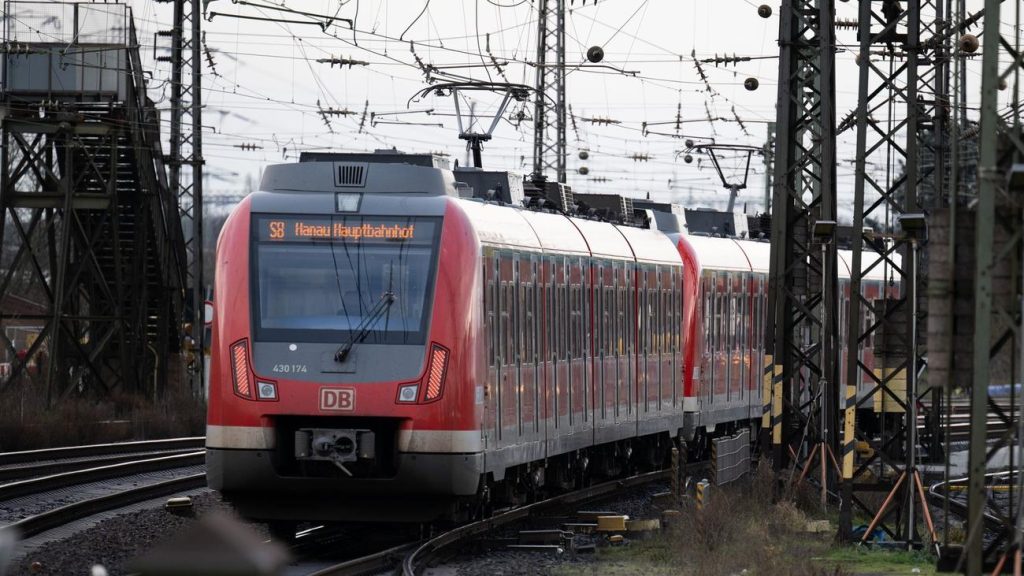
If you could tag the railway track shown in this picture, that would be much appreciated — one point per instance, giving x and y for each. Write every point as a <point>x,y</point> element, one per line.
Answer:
<point>1001,484</point>
<point>959,423</point>
<point>101,478</point>
<point>413,557</point>
<point>49,461</point>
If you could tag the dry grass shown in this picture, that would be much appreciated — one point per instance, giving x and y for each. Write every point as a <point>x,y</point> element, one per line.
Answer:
<point>26,423</point>
<point>741,531</point>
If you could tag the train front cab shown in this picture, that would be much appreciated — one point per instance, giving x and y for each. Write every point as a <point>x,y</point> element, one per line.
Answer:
<point>294,431</point>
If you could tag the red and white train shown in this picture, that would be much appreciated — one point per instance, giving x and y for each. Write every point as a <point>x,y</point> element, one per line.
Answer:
<point>385,347</point>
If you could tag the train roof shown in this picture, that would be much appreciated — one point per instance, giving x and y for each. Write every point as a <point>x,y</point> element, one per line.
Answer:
<point>758,253</point>
<point>720,253</point>
<point>651,245</point>
<point>497,224</point>
<point>390,174</point>
<point>603,240</point>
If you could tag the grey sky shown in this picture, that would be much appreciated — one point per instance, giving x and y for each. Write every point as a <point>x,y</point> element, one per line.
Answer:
<point>266,84</point>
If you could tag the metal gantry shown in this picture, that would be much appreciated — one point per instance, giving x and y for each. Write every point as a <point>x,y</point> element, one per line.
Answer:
<point>185,162</point>
<point>999,254</point>
<point>549,105</point>
<point>90,272</point>
<point>801,376</point>
<point>901,98</point>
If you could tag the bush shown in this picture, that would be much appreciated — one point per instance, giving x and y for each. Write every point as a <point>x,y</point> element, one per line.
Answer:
<point>26,423</point>
<point>741,531</point>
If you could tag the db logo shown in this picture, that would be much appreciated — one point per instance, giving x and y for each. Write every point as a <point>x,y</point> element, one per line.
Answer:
<point>338,399</point>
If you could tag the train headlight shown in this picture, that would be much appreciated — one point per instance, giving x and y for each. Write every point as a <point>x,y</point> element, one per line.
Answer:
<point>407,393</point>
<point>266,390</point>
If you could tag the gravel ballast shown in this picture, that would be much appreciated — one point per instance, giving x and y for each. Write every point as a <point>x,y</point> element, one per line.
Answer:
<point>114,541</point>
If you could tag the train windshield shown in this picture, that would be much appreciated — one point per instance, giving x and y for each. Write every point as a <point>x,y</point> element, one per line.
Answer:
<point>319,279</point>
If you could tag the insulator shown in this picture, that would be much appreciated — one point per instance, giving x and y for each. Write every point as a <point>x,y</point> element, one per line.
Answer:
<point>751,83</point>
<point>583,170</point>
<point>847,24</point>
<point>969,43</point>
<point>689,143</point>
<point>584,154</point>
<point>688,158</point>
<point>1002,84</point>
<point>764,11</point>
<point>595,54</point>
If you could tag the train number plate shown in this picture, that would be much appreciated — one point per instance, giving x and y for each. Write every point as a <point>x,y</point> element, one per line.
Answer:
<point>337,399</point>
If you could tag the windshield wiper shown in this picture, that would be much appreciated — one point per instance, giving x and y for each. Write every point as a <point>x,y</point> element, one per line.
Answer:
<point>366,325</point>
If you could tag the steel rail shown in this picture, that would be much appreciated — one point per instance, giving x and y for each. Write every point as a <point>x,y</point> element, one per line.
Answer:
<point>939,497</point>
<point>371,564</point>
<point>18,472</point>
<point>21,457</point>
<point>55,481</point>
<point>429,550</point>
<point>50,519</point>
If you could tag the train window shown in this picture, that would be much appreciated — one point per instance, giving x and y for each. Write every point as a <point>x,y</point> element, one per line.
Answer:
<point>642,316</point>
<point>527,300</point>
<point>578,337</point>
<point>312,288</point>
<point>620,304</point>
<point>502,323</point>
<point>549,306</point>
<point>609,307</point>
<point>489,309</point>
<point>603,316</point>
<point>573,316</point>
<point>556,311</point>
<point>706,310</point>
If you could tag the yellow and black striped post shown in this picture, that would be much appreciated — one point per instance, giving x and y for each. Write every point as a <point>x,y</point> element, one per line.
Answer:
<point>849,436</point>
<point>777,406</point>
<point>702,486</point>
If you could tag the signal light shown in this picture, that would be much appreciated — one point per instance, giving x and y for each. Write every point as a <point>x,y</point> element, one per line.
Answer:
<point>240,369</point>
<point>436,372</point>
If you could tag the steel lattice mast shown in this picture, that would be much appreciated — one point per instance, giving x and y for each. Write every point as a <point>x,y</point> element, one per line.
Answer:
<point>999,254</point>
<point>800,381</point>
<point>549,104</point>
<point>901,103</point>
<point>186,162</point>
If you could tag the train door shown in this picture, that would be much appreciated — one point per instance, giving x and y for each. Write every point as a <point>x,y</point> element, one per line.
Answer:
<point>618,334</point>
<point>754,346</point>
<point>738,383</point>
<point>626,311</point>
<point>652,383</point>
<point>722,372</point>
<point>508,381</point>
<point>493,335</point>
<point>526,307</point>
<point>549,397</point>
<point>643,338</point>
<point>673,336</point>
<point>577,355</point>
<point>709,313</point>
<point>560,329</point>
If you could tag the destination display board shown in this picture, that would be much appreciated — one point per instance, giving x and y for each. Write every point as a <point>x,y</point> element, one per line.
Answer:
<point>345,229</point>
